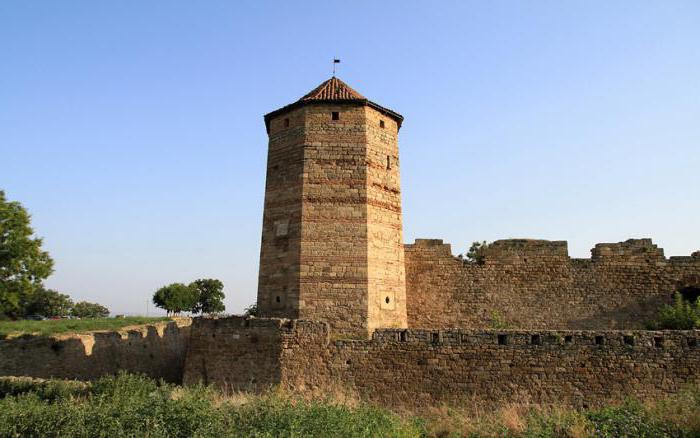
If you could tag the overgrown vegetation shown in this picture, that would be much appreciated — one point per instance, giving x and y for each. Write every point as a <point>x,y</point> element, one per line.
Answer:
<point>128,405</point>
<point>681,315</point>
<point>57,326</point>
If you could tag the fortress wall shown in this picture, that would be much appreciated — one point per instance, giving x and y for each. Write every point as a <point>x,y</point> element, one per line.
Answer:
<point>157,350</point>
<point>534,284</point>
<point>235,353</point>
<point>413,368</point>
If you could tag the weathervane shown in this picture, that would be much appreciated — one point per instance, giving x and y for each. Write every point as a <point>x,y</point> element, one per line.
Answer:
<point>335,61</point>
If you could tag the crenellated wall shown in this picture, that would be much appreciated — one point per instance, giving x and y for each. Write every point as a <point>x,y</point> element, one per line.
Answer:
<point>157,350</point>
<point>534,284</point>
<point>409,368</point>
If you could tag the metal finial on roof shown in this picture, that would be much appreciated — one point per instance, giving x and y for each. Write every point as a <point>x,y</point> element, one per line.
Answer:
<point>335,61</point>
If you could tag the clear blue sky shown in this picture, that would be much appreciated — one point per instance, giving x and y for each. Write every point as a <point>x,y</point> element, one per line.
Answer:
<point>133,130</point>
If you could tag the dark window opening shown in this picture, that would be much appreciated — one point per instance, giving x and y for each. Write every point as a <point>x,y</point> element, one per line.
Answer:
<point>387,300</point>
<point>536,340</point>
<point>692,342</point>
<point>348,362</point>
<point>403,336</point>
<point>436,338</point>
<point>502,339</point>
<point>599,340</point>
<point>628,340</point>
<point>524,260</point>
<point>568,339</point>
<point>286,123</point>
<point>690,294</point>
<point>381,123</point>
<point>388,162</point>
<point>278,299</point>
<point>658,342</point>
<point>335,115</point>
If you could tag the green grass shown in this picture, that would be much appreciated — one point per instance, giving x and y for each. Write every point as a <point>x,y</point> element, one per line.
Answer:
<point>130,405</point>
<point>57,326</point>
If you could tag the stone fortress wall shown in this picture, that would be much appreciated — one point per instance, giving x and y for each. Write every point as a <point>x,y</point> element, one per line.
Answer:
<point>157,350</point>
<point>418,367</point>
<point>534,284</point>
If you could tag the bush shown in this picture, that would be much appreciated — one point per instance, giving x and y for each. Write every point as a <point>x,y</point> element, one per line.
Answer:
<point>681,315</point>
<point>83,309</point>
<point>130,405</point>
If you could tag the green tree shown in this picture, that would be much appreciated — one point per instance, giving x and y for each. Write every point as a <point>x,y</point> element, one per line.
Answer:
<point>23,264</point>
<point>176,298</point>
<point>251,310</point>
<point>49,303</point>
<point>84,309</point>
<point>211,295</point>
<point>476,253</point>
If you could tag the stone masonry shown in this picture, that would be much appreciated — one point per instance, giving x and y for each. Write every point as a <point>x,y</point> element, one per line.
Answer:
<point>534,284</point>
<point>332,245</point>
<point>414,368</point>
<point>345,305</point>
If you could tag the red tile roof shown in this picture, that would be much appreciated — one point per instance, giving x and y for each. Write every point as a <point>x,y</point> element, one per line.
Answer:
<point>333,89</point>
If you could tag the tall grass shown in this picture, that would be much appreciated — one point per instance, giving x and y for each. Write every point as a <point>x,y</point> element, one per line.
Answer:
<point>58,326</point>
<point>128,405</point>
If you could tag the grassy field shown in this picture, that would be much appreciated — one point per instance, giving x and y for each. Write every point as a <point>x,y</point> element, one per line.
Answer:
<point>57,326</point>
<point>129,405</point>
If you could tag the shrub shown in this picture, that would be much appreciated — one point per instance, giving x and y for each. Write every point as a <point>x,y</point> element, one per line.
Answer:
<point>681,315</point>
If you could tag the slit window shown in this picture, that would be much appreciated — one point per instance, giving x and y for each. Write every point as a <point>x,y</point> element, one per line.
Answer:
<point>403,336</point>
<point>335,115</point>
<point>388,162</point>
<point>286,123</point>
<point>436,338</point>
<point>381,123</point>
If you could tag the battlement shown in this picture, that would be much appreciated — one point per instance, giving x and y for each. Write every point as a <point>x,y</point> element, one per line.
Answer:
<point>631,250</point>
<point>517,251</point>
<point>419,367</point>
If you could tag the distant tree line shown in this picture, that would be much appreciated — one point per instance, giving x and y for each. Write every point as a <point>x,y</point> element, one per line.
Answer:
<point>24,265</point>
<point>200,296</point>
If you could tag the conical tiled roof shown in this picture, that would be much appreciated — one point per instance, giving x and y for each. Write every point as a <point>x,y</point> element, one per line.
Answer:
<point>333,89</point>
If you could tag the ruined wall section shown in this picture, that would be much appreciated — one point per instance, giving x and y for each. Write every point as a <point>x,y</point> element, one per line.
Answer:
<point>412,368</point>
<point>157,350</point>
<point>386,270</point>
<point>278,278</point>
<point>534,284</point>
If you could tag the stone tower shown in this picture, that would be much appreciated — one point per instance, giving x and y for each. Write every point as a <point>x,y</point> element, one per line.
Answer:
<point>332,245</point>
